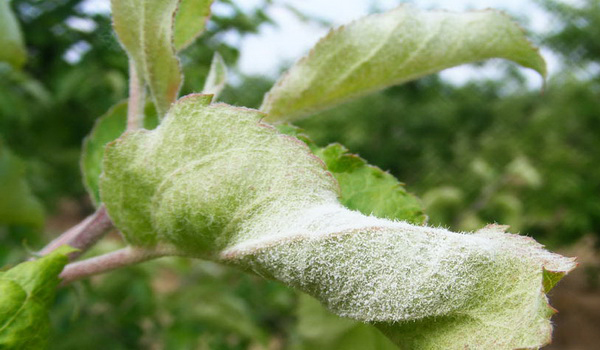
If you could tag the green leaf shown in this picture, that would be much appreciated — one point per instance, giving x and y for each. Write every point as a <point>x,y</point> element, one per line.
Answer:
<point>11,39</point>
<point>320,329</point>
<point>145,29</point>
<point>107,129</point>
<point>190,20</point>
<point>26,293</point>
<point>386,49</point>
<point>214,182</point>
<point>364,187</point>
<point>17,204</point>
<point>217,77</point>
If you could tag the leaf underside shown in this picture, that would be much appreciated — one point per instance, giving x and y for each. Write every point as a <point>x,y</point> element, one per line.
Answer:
<point>213,182</point>
<point>386,49</point>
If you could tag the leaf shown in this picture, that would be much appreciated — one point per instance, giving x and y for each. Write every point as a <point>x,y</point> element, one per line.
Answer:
<point>11,39</point>
<point>190,20</point>
<point>18,206</point>
<point>320,329</point>
<point>213,182</point>
<point>217,77</point>
<point>145,29</point>
<point>106,129</point>
<point>386,49</point>
<point>364,187</point>
<point>26,293</point>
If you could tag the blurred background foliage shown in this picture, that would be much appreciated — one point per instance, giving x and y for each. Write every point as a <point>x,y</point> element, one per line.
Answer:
<point>486,151</point>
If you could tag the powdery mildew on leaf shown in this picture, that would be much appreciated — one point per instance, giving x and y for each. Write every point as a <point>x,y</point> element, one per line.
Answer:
<point>386,49</point>
<point>216,183</point>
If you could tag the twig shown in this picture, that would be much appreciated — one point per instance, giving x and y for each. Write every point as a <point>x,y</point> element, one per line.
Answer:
<point>83,235</point>
<point>108,262</point>
<point>135,105</point>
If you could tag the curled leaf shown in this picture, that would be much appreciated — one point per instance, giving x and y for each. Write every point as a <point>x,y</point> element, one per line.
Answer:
<point>391,48</point>
<point>214,182</point>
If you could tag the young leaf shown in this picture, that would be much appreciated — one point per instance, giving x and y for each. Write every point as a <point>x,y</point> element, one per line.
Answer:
<point>17,204</point>
<point>213,182</point>
<point>386,49</point>
<point>11,40</point>
<point>26,293</point>
<point>364,187</point>
<point>190,20</point>
<point>217,77</point>
<point>106,129</point>
<point>145,29</point>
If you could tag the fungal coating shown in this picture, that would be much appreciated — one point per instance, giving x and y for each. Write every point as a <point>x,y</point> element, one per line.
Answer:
<point>213,182</point>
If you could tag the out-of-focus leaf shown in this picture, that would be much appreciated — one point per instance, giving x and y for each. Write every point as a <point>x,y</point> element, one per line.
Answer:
<point>217,77</point>
<point>320,329</point>
<point>26,293</point>
<point>145,28</point>
<point>386,49</point>
<point>106,129</point>
<point>17,204</point>
<point>190,21</point>
<point>11,40</point>
<point>214,182</point>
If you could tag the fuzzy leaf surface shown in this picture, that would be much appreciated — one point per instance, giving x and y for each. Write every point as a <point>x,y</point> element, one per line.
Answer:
<point>18,205</point>
<point>106,129</point>
<point>391,48</point>
<point>217,77</point>
<point>190,20</point>
<point>26,293</point>
<point>214,182</point>
<point>145,29</point>
<point>11,39</point>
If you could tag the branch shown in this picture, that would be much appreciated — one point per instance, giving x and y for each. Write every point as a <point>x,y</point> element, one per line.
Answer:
<point>135,105</point>
<point>108,262</point>
<point>83,235</point>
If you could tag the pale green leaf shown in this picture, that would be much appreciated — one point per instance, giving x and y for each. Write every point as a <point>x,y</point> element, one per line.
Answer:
<point>386,49</point>
<point>26,293</point>
<point>190,20</point>
<point>214,182</point>
<point>217,77</point>
<point>11,39</point>
<point>106,129</point>
<point>17,204</point>
<point>145,29</point>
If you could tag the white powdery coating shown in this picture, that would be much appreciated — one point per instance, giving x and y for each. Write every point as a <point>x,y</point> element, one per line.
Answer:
<point>216,183</point>
<point>373,269</point>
